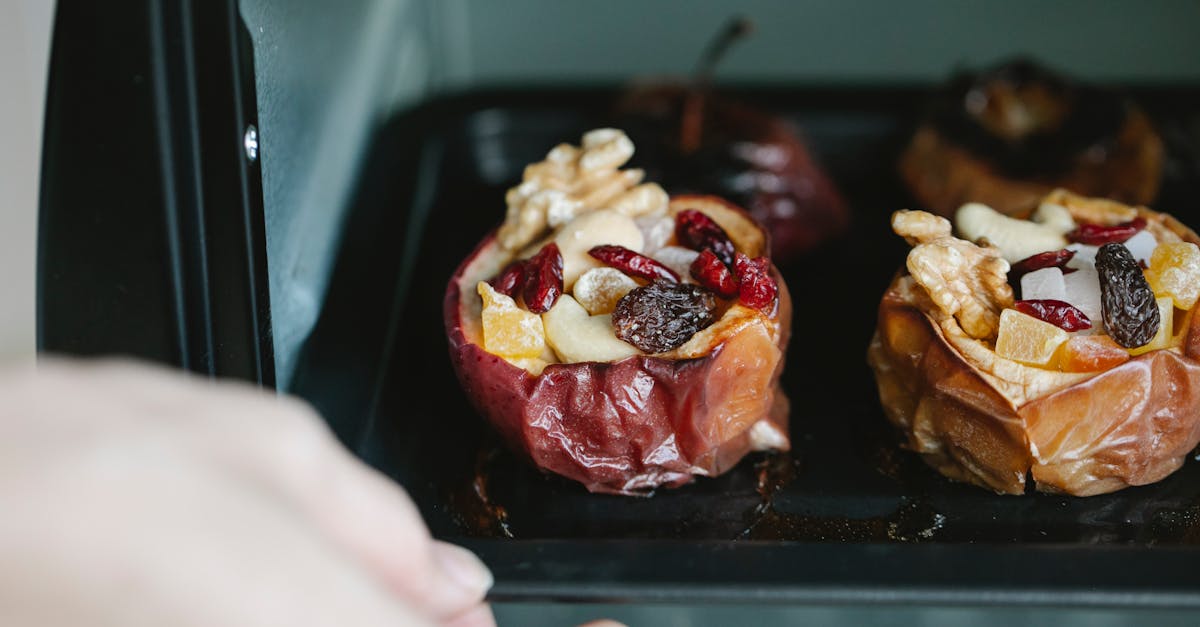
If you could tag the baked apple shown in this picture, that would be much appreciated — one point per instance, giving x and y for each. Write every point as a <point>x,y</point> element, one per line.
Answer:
<point>619,337</point>
<point>1061,348</point>
<point>698,141</point>
<point>1008,136</point>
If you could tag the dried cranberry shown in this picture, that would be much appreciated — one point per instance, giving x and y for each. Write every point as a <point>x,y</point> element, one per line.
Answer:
<point>543,279</point>
<point>511,279</point>
<point>1061,314</point>
<point>713,274</point>
<point>1052,259</point>
<point>663,315</point>
<point>632,263</point>
<point>1097,235</point>
<point>1126,300</point>
<point>756,288</point>
<point>697,231</point>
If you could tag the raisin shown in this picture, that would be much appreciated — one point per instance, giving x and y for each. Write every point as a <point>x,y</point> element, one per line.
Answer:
<point>1052,259</point>
<point>632,263</point>
<point>1097,235</point>
<point>697,231</point>
<point>1058,313</point>
<point>713,274</point>
<point>756,288</point>
<point>1128,305</point>
<point>663,315</point>
<point>511,279</point>
<point>543,279</point>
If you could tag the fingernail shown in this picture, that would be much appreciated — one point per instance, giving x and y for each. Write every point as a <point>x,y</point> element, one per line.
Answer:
<point>463,567</point>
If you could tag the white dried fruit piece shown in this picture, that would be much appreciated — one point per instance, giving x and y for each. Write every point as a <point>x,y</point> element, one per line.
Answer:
<point>1016,239</point>
<point>678,259</point>
<point>656,232</point>
<point>962,279</point>
<point>575,335</point>
<point>599,289</point>
<point>596,228</point>
<point>1043,284</point>
<point>1142,246</point>
<point>508,330</point>
<point>570,182</point>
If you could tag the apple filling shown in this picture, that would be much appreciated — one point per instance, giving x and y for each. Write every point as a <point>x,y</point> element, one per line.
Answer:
<point>1080,287</point>
<point>593,265</point>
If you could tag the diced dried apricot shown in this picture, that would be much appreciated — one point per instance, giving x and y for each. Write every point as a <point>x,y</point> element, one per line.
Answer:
<point>1027,340</point>
<point>508,330</point>
<point>1175,271</point>
<point>1091,353</point>
<point>1166,328</point>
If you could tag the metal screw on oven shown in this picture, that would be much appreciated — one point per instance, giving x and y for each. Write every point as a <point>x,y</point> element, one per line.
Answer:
<point>250,143</point>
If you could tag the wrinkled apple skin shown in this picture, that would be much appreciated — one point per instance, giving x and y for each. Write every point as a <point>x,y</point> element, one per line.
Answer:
<point>633,425</point>
<point>1133,424</point>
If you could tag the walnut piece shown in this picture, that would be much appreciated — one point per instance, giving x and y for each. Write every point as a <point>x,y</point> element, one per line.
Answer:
<point>573,180</point>
<point>963,280</point>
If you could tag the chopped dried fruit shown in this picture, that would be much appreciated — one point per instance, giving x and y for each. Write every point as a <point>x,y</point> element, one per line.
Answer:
<point>632,263</point>
<point>1056,312</point>
<point>1047,283</point>
<point>599,289</point>
<point>1130,313</point>
<point>511,279</point>
<point>1091,353</point>
<point>508,330</point>
<point>1142,246</point>
<point>697,231</point>
<point>756,288</point>
<point>1162,339</point>
<point>663,315</point>
<point>1052,259</point>
<point>1028,340</point>
<point>677,258</point>
<point>543,279</point>
<point>1175,271</point>
<point>710,272</point>
<point>1097,235</point>
<point>1083,291</point>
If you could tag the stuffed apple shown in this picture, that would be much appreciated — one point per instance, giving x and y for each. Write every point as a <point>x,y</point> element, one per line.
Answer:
<point>616,336</point>
<point>1060,348</point>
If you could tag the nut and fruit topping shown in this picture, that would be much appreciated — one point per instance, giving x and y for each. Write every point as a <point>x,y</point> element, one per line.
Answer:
<point>663,315</point>
<point>511,279</point>
<point>1131,314</point>
<point>1091,353</point>
<point>1175,272</point>
<point>756,288</point>
<point>699,232</point>
<point>1016,239</point>
<point>1056,312</point>
<point>1027,340</point>
<point>597,228</point>
<point>1098,235</point>
<point>543,279</point>
<point>712,273</point>
<point>632,263</point>
<point>508,330</point>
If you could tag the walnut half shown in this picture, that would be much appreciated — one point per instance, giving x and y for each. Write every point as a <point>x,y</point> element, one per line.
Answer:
<point>963,280</point>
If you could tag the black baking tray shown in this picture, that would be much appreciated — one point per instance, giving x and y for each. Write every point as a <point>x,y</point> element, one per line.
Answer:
<point>847,516</point>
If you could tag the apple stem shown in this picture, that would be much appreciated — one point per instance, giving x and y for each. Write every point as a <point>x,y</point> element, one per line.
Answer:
<point>692,120</point>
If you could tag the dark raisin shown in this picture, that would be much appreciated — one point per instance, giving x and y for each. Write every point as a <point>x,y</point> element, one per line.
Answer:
<point>712,273</point>
<point>632,263</point>
<point>663,315</point>
<point>756,288</point>
<point>1058,313</point>
<point>697,231</point>
<point>1096,235</point>
<point>543,279</point>
<point>511,279</point>
<point>1130,311</point>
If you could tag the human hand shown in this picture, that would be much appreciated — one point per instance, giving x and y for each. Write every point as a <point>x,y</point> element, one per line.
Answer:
<point>135,496</point>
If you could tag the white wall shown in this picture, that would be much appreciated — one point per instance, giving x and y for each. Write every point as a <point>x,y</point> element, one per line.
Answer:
<point>25,27</point>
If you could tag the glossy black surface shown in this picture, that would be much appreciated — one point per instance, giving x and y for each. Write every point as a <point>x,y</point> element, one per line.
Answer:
<point>847,515</point>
